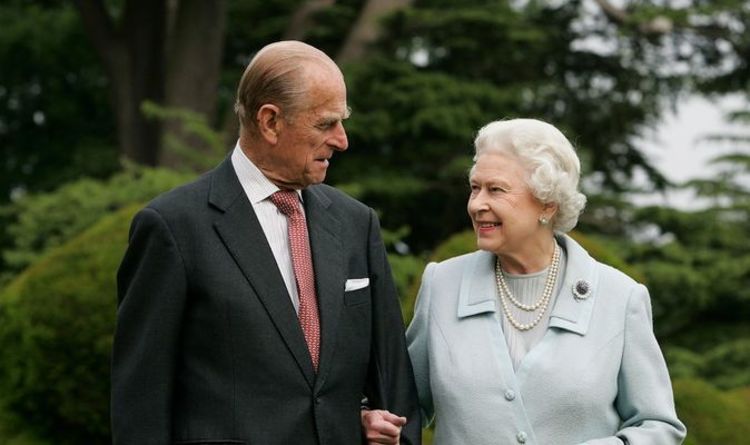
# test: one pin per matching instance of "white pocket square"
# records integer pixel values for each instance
(356, 283)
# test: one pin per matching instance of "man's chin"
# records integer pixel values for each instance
(315, 179)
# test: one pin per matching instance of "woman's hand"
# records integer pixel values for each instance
(381, 427)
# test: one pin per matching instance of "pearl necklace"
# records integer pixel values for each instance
(505, 294)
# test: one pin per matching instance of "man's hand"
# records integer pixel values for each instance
(381, 427)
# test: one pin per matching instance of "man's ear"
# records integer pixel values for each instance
(269, 122)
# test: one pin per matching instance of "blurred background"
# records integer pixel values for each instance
(106, 103)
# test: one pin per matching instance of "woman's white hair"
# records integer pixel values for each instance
(551, 164)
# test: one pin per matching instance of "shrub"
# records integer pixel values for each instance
(14, 432)
(56, 325)
(724, 364)
(712, 416)
(41, 221)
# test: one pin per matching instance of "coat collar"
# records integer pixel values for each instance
(571, 312)
(478, 292)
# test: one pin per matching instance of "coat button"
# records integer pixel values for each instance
(317, 400)
(510, 395)
(521, 437)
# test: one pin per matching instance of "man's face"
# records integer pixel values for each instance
(307, 140)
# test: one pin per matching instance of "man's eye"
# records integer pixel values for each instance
(326, 125)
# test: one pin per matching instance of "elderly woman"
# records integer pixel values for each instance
(530, 340)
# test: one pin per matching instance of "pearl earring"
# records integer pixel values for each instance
(543, 220)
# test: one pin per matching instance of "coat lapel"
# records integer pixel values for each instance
(477, 294)
(240, 231)
(330, 271)
(570, 312)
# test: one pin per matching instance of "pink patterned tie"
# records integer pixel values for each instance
(288, 203)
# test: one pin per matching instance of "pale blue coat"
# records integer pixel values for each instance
(597, 376)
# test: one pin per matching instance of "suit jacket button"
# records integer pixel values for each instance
(510, 395)
(521, 437)
(317, 400)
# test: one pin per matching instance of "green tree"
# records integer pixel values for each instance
(438, 73)
(168, 52)
(54, 118)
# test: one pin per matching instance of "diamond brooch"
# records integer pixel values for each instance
(581, 290)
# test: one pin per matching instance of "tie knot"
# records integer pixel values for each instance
(287, 201)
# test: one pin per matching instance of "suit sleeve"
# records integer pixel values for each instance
(644, 401)
(390, 381)
(151, 285)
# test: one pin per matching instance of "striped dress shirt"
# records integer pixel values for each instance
(274, 223)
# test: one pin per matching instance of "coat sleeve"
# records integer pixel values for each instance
(644, 401)
(390, 382)
(151, 285)
(417, 340)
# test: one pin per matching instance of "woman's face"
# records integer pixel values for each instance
(503, 211)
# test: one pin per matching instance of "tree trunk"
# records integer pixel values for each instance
(367, 28)
(193, 54)
(301, 21)
(134, 65)
(164, 51)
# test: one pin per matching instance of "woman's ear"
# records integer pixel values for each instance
(549, 209)
(269, 122)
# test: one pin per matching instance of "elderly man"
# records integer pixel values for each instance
(256, 305)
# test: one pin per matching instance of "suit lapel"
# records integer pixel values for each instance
(330, 272)
(240, 231)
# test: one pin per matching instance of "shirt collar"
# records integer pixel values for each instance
(256, 185)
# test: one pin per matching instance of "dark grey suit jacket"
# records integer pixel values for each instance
(208, 348)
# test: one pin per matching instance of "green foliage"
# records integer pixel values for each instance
(439, 73)
(699, 271)
(407, 269)
(8, 437)
(712, 416)
(204, 147)
(14, 432)
(458, 244)
(442, 70)
(427, 434)
(724, 22)
(55, 124)
(712, 350)
(42, 221)
(607, 253)
(56, 325)
(249, 26)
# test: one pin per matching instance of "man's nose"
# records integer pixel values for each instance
(339, 141)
